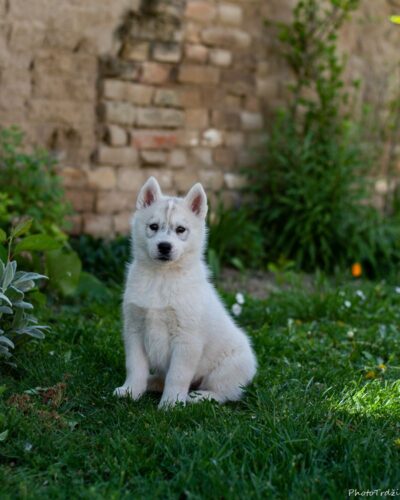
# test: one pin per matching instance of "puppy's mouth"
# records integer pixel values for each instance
(164, 258)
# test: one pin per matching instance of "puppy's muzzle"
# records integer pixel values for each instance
(164, 250)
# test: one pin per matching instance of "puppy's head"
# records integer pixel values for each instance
(168, 229)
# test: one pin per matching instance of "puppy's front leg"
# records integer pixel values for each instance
(137, 365)
(184, 360)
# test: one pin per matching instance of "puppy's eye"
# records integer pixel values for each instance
(154, 227)
(180, 229)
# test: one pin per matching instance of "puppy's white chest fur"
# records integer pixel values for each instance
(158, 333)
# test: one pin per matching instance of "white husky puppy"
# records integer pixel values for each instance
(177, 333)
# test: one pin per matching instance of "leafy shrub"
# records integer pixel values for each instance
(107, 260)
(310, 188)
(234, 240)
(30, 186)
(17, 324)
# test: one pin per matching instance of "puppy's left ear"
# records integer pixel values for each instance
(196, 200)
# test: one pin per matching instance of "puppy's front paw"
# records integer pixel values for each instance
(167, 403)
(125, 391)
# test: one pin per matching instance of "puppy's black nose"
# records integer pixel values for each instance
(164, 248)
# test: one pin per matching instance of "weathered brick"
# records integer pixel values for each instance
(167, 52)
(196, 53)
(184, 180)
(212, 179)
(167, 97)
(267, 87)
(212, 138)
(192, 33)
(189, 138)
(233, 102)
(97, 225)
(25, 34)
(121, 113)
(234, 181)
(196, 118)
(234, 139)
(130, 179)
(155, 73)
(190, 73)
(111, 202)
(82, 201)
(159, 117)
(117, 156)
(122, 223)
(116, 136)
(221, 57)
(251, 121)
(230, 14)
(137, 51)
(202, 11)
(102, 178)
(256, 140)
(73, 177)
(154, 139)
(226, 37)
(228, 120)
(126, 91)
(201, 157)
(224, 157)
(190, 98)
(153, 157)
(177, 158)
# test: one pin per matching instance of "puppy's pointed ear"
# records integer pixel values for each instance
(196, 200)
(149, 193)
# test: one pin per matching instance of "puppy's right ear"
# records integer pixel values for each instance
(149, 193)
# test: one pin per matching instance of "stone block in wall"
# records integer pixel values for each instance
(167, 52)
(226, 37)
(232, 102)
(191, 73)
(98, 225)
(167, 97)
(251, 121)
(130, 179)
(234, 139)
(195, 52)
(212, 138)
(115, 67)
(116, 135)
(189, 138)
(178, 158)
(25, 34)
(212, 179)
(252, 104)
(63, 88)
(122, 223)
(201, 157)
(153, 157)
(127, 91)
(107, 155)
(221, 57)
(159, 117)
(154, 139)
(111, 202)
(120, 113)
(61, 111)
(190, 98)
(184, 180)
(192, 33)
(201, 11)
(155, 73)
(81, 200)
(197, 118)
(73, 177)
(224, 157)
(102, 178)
(230, 14)
(136, 51)
(234, 181)
(225, 120)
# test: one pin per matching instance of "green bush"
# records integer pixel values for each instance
(310, 188)
(30, 187)
(17, 323)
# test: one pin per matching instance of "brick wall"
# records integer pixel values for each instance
(123, 89)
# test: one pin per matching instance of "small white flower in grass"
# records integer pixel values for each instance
(239, 298)
(350, 334)
(360, 294)
(397, 289)
(347, 303)
(237, 309)
(28, 446)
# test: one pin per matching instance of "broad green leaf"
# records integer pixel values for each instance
(3, 236)
(5, 298)
(8, 276)
(21, 228)
(14, 294)
(37, 242)
(5, 310)
(63, 269)
(3, 436)
(22, 276)
(6, 341)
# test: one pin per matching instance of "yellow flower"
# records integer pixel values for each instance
(397, 442)
(382, 367)
(356, 270)
(370, 375)
(395, 19)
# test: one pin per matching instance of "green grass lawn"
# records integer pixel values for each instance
(322, 416)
